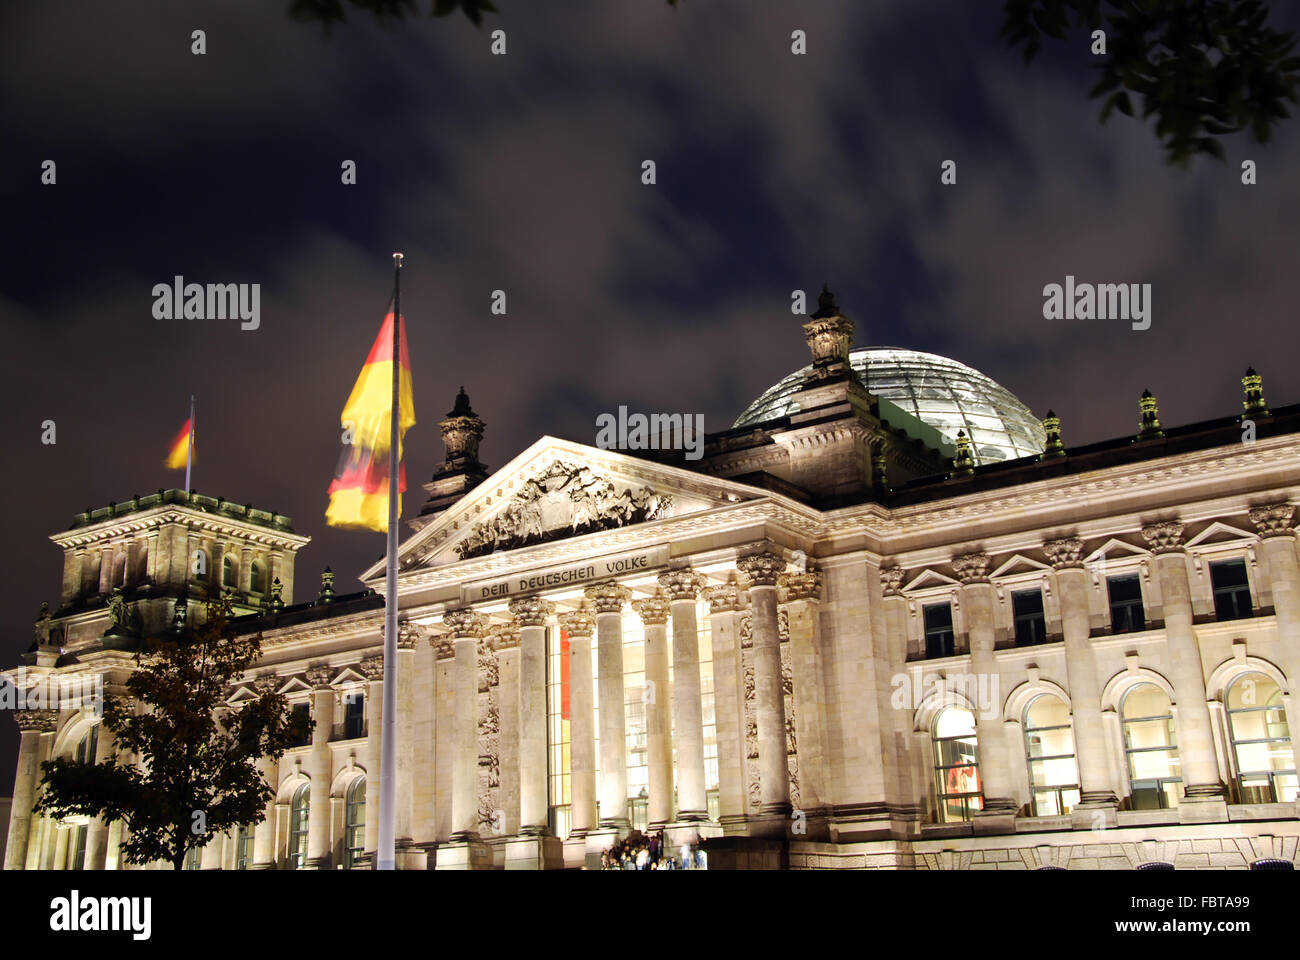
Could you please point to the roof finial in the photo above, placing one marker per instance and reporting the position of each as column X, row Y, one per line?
column 1149, row 429
column 963, row 465
column 1052, row 427
column 826, row 304
column 1252, row 384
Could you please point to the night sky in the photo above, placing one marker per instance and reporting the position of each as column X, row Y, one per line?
column 523, row 173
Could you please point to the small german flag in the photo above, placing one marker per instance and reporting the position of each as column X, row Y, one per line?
column 359, row 493
column 179, row 453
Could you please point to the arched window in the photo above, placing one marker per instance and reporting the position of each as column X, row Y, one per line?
column 1049, row 746
column 86, row 748
column 1151, row 747
column 257, row 577
column 299, row 810
column 244, row 847
column 956, row 765
column 79, row 847
column 227, row 572
column 1261, row 740
column 354, row 837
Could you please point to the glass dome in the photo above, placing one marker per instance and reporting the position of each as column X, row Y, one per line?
column 947, row 395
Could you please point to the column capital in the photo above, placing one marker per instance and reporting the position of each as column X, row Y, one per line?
column 465, row 623
column 531, row 611
column 724, row 598
column 408, row 634
column 372, row 667
column 319, row 677
column 1165, row 536
column 652, row 610
column 891, row 581
column 801, row 586
column 972, row 568
column 608, row 597
column 505, row 636
column 444, row 647
column 266, row 684
column 1273, row 520
column 580, row 622
column 683, row 584
column 46, row 721
column 761, row 569
column 1065, row 553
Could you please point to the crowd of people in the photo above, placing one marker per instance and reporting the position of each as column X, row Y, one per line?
column 640, row 852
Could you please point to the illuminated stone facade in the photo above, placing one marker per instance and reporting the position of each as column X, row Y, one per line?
column 830, row 650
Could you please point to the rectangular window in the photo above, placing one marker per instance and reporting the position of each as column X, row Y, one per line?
column 303, row 710
column 938, row 630
column 79, row 847
column 354, row 717
column 557, row 708
column 1231, row 589
column 1027, row 608
column 1126, row 612
column 244, row 848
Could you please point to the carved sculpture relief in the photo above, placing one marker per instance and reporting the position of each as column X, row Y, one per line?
column 751, row 716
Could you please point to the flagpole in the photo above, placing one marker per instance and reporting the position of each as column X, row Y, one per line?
column 189, row 453
column 386, row 854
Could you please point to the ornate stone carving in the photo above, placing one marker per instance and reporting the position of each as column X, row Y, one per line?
column 444, row 648
column 801, row 586
column 1065, row 553
column 682, row 584
column 652, row 610
column 724, row 598
column 267, row 684
column 43, row 625
column 372, row 667
column 608, row 597
column 531, row 611
column 487, row 665
column 761, row 569
column 891, row 581
column 319, row 677
column 465, row 623
column 408, row 634
column 578, row 622
column 1164, row 537
column 564, row 499
column 46, row 721
column 972, row 567
column 505, row 636
column 1273, row 520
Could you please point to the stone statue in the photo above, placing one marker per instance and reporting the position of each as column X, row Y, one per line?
column 43, row 626
column 117, row 611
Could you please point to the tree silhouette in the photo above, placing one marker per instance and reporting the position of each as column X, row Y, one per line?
column 1202, row 68
column 197, row 776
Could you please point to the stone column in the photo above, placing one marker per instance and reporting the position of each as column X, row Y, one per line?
column 531, row 614
column 373, row 669
column 579, row 624
column 404, row 755
column 1278, row 547
column 73, row 574
column 1201, row 783
column 217, row 573
column 106, row 570
column 61, row 845
column 912, row 789
column 318, row 817
column 129, row 567
column 725, row 606
column 424, row 732
column 505, row 640
column 466, row 628
column 32, row 724
column 1097, row 792
column 803, row 593
column 608, row 599
column 444, row 736
column 994, row 755
column 245, row 580
column 653, row 612
column 682, row 588
column 264, row 832
column 761, row 570
column 97, row 830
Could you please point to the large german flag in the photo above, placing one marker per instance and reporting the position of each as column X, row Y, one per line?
column 359, row 493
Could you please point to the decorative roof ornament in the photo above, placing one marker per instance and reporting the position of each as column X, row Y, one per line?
column 43, row 625
column 1150, row 426
column 829, row 333
column 1252, row 384
column 180, row 614
column 1052, row 426
column 326, row 594
column 963, row 465
column 462, row 429
column 276, row 603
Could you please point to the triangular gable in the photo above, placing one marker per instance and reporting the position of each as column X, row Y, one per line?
column 556, row 489
column 1118, row 548
column 245, row 692
column 294, row 685
column 1018, row 563
column 928, row 579
column 1219, row 532
column 349, row 676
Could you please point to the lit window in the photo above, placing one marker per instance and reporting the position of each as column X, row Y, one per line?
column 1126, row 612
column 88, row 745
column 1151, row 747
column 557, row 700
column 1231, row 589
column 354, row 839
column 299, row 811
column 956, row 765
column 938, row 630
column 244, row 847
column 1049, row 745
column 1261, row 741
column 1027, row 608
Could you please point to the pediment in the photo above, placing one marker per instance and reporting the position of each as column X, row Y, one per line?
column 1116, row 549
column 558, row 489
column 929, row 579
column 1219, row 532
column 1019, row 563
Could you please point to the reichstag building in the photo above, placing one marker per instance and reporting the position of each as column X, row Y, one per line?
column 889, row 620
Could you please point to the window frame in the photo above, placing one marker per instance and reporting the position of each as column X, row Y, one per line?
column 1174, row 760
column 1235, row 743
column 1058, row 789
